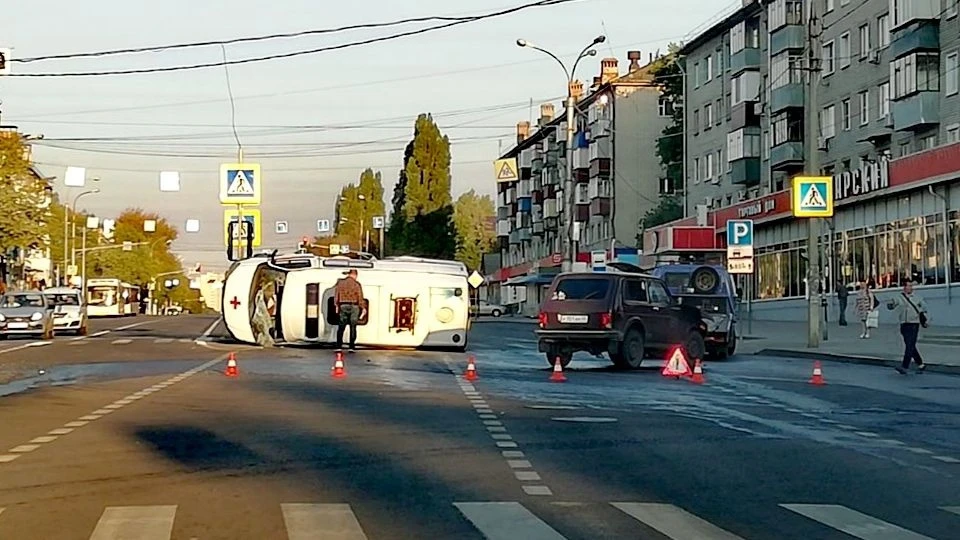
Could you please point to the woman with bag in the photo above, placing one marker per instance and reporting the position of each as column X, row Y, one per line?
column 912, row 314
column 866, row 308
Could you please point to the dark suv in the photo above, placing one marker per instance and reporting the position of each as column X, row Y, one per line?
column 629, row 316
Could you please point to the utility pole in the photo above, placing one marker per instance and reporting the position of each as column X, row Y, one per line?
column 569, row 253
column 812, row 166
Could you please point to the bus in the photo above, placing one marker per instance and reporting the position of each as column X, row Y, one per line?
column 110, row 297
column 408, row 302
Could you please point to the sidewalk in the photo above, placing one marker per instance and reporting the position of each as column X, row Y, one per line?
column 939, row 346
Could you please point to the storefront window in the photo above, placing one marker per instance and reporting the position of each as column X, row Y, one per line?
column 781, row 272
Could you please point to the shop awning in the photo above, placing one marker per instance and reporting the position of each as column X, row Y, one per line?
column 529, row 280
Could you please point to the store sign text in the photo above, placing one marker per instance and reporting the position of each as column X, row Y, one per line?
column 869, row 178
column 760, row 207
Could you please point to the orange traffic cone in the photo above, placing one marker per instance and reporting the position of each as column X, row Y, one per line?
column 697, row 376
column 232, row 370
column 557, row 375
column 471, row 373
column 339, row 370
column 817, row 378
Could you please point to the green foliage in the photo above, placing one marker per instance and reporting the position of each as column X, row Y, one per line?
column 471, row 215
column 142, row 263
column 669, row 77
column 352, row 210
column 24, row 197
column 422, row 223
column 669, row 208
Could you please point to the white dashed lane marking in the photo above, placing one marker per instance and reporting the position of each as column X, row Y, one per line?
column 54, row 434
column 498, row 432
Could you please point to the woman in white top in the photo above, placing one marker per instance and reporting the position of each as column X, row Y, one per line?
column 865, row 306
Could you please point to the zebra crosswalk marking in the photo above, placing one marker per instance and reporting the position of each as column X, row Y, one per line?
column 321, row 522
column 139, row 522
column 674, row 522
column 506, row 521
column 856, row 524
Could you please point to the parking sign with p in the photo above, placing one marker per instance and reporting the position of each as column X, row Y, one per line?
column 740, row 233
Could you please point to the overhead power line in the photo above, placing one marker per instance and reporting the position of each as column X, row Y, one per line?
column 369, row 41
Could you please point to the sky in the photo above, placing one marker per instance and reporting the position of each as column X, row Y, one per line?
column 313, row 122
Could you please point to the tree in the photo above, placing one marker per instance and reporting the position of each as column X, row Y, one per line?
column 422, row 223
column 669, row 77
column 24, row 198
column 143, row 263
column 356, row 208
column 471, row 216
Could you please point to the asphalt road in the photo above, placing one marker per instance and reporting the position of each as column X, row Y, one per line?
column 150, row 440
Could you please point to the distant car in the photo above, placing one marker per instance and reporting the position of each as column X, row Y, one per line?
column 626, row 315
column 486, row 308
column 26, row 313
column 69, row 310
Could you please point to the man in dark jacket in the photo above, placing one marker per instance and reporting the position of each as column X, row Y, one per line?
column 348, row 299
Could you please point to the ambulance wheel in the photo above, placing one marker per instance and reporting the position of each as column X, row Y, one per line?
column 632, row 350
column 705, row 280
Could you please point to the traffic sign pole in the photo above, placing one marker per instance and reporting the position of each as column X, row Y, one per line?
column 740, row 258
column 812, row 166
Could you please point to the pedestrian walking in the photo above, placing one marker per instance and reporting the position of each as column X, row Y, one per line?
column 912, row 314
column 348, row 299
column 866, row 308
column 842, row 294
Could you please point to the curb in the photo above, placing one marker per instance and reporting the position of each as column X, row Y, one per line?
column 507, row 320
column 850, row 359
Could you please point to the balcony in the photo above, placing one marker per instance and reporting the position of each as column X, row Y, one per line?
column 503, row 212
column 537, row 165
column 600, row 128
column 538, row 228
column 743, row 60
column 600, row 207
column 792, row 36
column 503, row 227
column 921, row 36
column 600, row 168
column 581, row 158
column 600, row 189
column 581, row 212
column 744, row 115
column 916, row 112
column 786, row 156
column 745, row 172
column 525, row 234
column 785, row 97
column 549, row 208
column 515, row 237
column 551, row 224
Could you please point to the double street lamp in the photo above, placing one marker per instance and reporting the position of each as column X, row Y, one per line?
column 569, row 242
column 70, row 230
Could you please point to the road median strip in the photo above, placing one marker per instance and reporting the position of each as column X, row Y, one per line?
column 850, row 359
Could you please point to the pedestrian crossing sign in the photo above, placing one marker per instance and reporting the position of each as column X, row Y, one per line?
column 812, row 196
column 505, row 170
column 240, row 183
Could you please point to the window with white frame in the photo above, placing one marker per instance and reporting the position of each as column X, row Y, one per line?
column 905, row 11
column 953, row 133
column 883, row 100
column 829, row 58
column 785, row 69
column 883, row 30
column 951, row 77
column 707, row 116
column 745, row 35
column 864, row 41
column 708, row 166
column 787, row 127
column 917, row 72
column 696, row 169
column 844, row 53
column 696, row 75
column 845, row 114
column 864, row 108
column 828, row 121
column 718, row 107
column 828, row 6
column 783, row 12
column 742, row 145
column 708, row 67
column 716, row 164
column 745, row 87
column 928, row 143
column 665, row 107
column 696, row 121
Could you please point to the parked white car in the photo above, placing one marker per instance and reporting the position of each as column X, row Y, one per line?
column 69, row 310
column 486, row 308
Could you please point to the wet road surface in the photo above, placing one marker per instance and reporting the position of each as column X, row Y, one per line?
column 155, row 442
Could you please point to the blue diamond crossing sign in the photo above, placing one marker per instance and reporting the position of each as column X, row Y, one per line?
column 240, row 183
column 813, row 196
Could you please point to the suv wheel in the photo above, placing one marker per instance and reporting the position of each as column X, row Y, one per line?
column 564, row 356
column 694, row 346
column 631, row 350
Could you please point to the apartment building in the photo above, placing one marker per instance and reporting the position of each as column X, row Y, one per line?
column 888, row 133
column 616, row 177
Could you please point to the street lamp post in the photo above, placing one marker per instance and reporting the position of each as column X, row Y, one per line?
column 569, row 250
column 68, row 212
